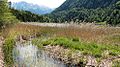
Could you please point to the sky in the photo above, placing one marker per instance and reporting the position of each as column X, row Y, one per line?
column 48, row 3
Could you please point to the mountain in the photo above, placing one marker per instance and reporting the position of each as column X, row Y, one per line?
column 89, row 4
column 88, row 10
column 34, row 8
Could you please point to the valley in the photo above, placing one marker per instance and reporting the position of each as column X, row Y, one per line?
column 78, row 33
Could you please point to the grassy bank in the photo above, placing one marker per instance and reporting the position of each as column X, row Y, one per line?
column 7, row 49
column 87, row 48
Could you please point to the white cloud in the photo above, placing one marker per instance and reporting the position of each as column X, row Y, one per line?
column 48, row 3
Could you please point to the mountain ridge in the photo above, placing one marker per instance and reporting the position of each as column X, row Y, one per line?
column 34, row 8
column 89, row 4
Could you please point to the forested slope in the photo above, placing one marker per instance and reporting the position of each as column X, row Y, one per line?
column 26, row 16
column 88, row 10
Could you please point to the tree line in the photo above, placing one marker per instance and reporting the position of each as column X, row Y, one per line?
column 26, row 16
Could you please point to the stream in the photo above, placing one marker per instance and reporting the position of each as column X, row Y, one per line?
column 28, row 55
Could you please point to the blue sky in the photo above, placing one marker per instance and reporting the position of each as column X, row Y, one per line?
column 48, row 3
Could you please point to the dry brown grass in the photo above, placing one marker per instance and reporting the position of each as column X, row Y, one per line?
column 87, row 33
column 20, row 29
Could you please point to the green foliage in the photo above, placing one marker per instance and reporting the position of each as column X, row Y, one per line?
column 71, row 10
column 26, row 16
column 89, row 4
column 5, row 16
column 7, row 49
column 88, row 10
column 118, row 5
column 86, row 48
column 37, row 42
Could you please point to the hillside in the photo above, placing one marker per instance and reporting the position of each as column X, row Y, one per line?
column 89, row 11
column 27, row 16
column 89, row 4
column 34, row 8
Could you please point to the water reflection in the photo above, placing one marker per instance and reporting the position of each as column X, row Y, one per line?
column 28, row 55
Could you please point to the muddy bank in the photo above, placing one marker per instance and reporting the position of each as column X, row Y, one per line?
column 76, row 58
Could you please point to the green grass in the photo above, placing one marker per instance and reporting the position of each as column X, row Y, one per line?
column 93, row 49
column 7, row 49
column 37, row 42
